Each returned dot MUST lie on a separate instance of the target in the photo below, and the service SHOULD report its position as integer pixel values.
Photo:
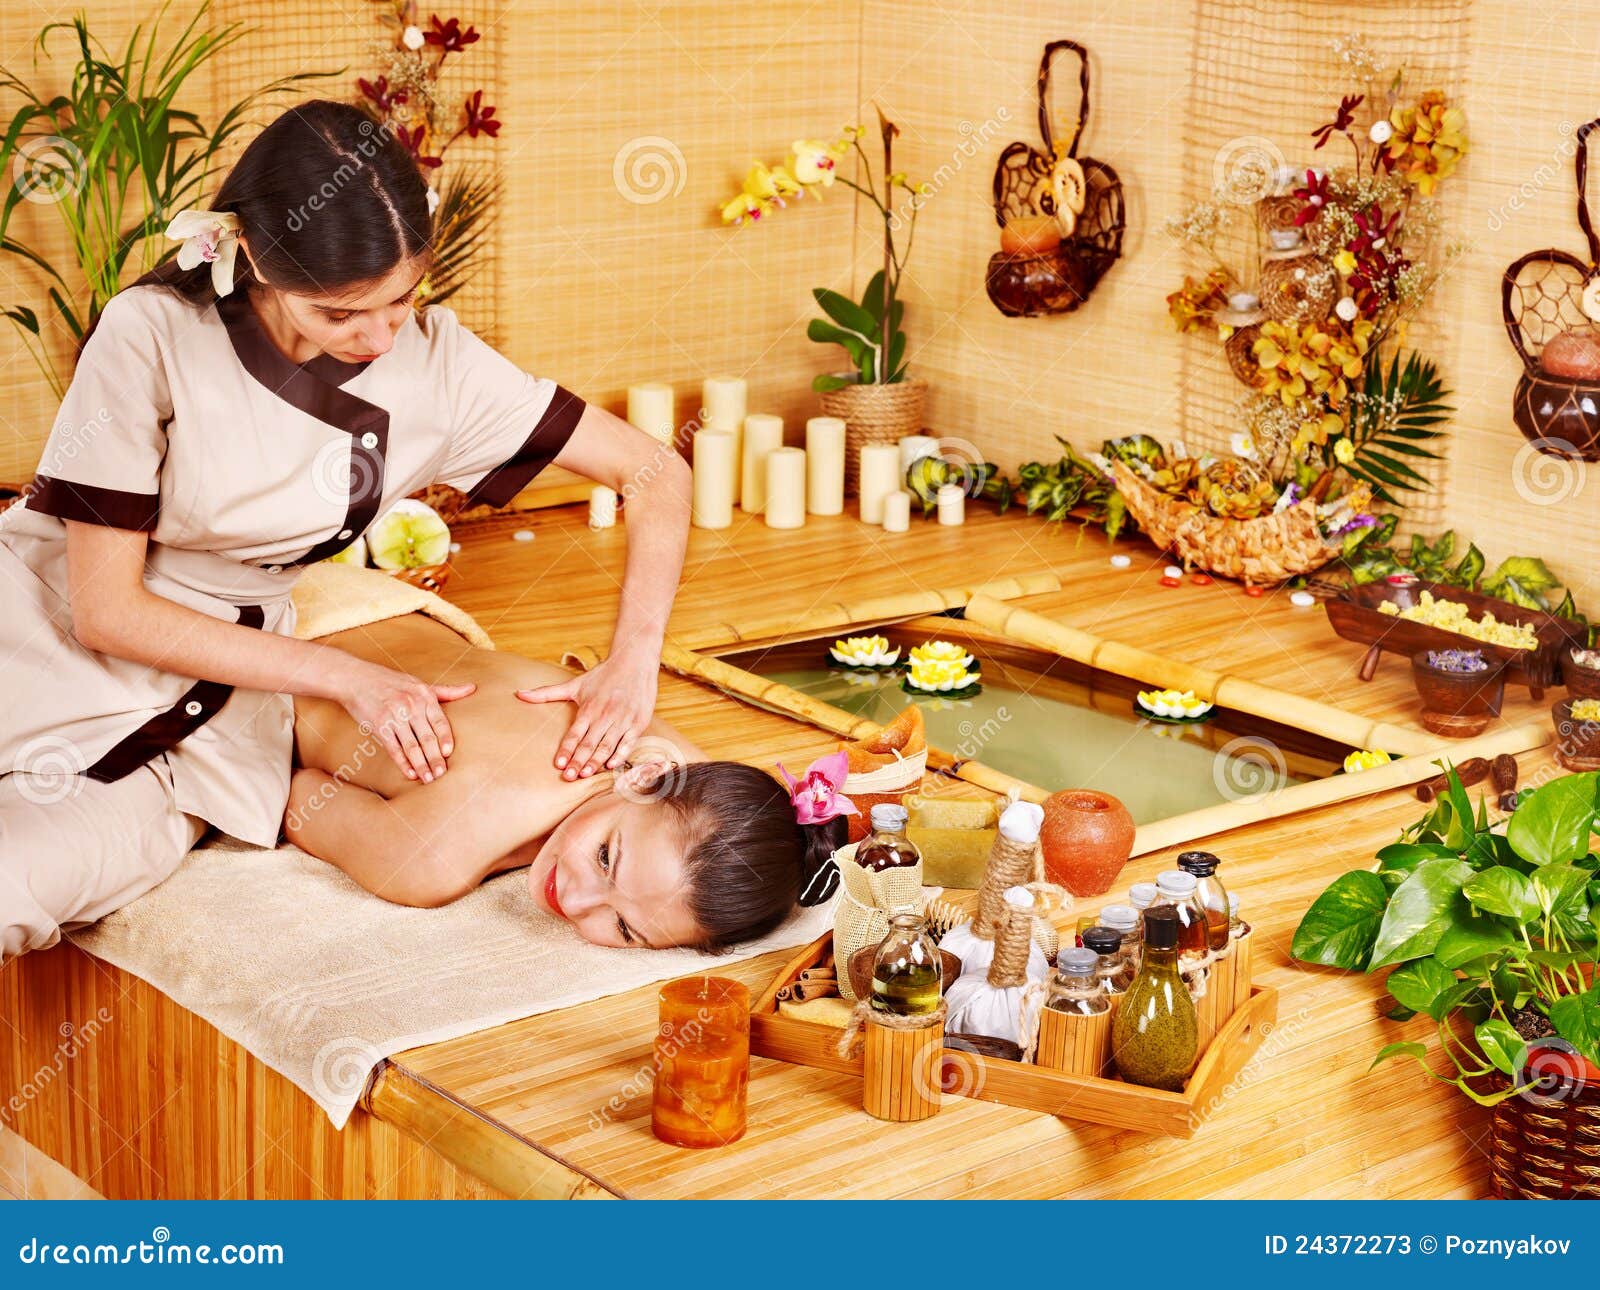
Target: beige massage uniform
(243, 467)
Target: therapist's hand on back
(407, 716)
(616, 699)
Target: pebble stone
(1121, 561)
(1172, 571)
(1302, 599)
(522, 535)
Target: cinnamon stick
(1472, 771)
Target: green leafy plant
(1494, 936)
(870, 332)
(980, 480)
(1074, 485)
(461, 228)
(1393, 419)
(115, 158)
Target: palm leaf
(1401, 409)
(461, 228)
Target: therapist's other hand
(616, 699)
(408, 717)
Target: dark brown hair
(748, 857)
(327, 198)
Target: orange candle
(702, 1062)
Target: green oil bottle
(906, 970)
(1155, 1035)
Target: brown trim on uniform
(166, 730)
(538, 450)
(91, 504)
(315, 388)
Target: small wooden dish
(967, 1073)
(1354, 615)
(1583, 682)
(1459, 705)
(1577, 742)
(861, 970)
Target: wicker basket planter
(874, 414)
(1263, 551)
(1548, 1147)
(1297, 286)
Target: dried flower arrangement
(1317, 324)
(406, 97)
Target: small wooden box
(1036, 1088)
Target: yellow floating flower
(864, 651)
(940, 674)
(940, 652)
(1365, 759)
(1344, 451)
(1173, 703)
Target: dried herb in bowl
(1458, 660)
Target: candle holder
(702, 1062)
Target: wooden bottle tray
(1035, 1088)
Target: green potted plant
(876, 398)
(1490, 933)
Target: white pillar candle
(880, 475)
(914, 446)
(825, 465)
(952, 503)
(602, 507)
(723, 400)
(786, 488)
(897, 511)
(650, 408)
(762, 433)
(714, 473)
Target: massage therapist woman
(242, 411)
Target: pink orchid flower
(816, 797)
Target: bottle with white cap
(887, 847)
(1179, 889)
(1125, 921)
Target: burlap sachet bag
(866, 899)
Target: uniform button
(192, 707)
(344, 534)
(274, 568)
(369, 440)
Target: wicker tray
(1354, 615)
(1035, 1088)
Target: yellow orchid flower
(741, 208)
(813, 162)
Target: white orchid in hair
(208, 237)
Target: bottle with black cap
(1112, 968)
(1155, 1036)
(1210, 893)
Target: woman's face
(614, 869)
(354, 324)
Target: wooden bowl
(1459, 704)
(861, 970)
(1582, 681)
(1577, 742)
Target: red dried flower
(480, 118)
(448, 35)
(412, 138)
(1315, 197)
(379, 93)
(1341, 120)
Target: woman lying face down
(673, 850)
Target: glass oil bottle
(1155, 1033)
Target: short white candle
(786, 488)
(762, 433)
(897, 511)
(952, 503)
(650, 408)
(880, 476)
(712, 503)
(825, 465)
(602, 507)
(723, 400)
(914, 446)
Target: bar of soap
(929, 812)
(832, 1011)
(952, 857)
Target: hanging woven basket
(1297, 286)
(1260, 552)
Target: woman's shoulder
(147, 306)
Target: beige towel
(321, 980)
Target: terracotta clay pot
(1087, 837)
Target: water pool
(1057, 724)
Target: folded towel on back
(321, 980)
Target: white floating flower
(864, 651)
(1173, 703)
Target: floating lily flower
(1173, 703)
(864, 651)
(1365, 759)
(940, 675)
(940, 652)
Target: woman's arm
(616, 698)
(114, 613)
